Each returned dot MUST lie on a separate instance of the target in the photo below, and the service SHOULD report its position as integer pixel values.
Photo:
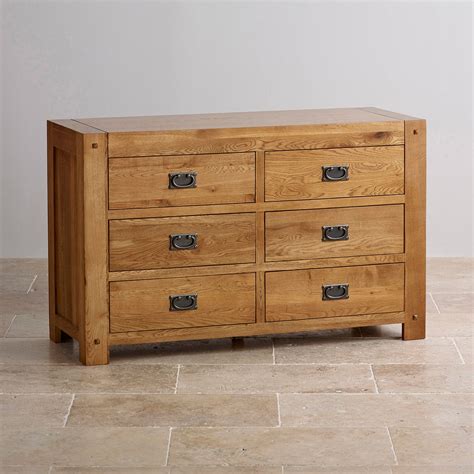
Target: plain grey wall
(82, 58)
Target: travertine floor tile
(172, 470)
(219, 351)
(375, 410)
(29, 325)
(370, 350)
(82, 379)
(15, 285)
(424, 378)
(305, 446)
(86, 446)
(440, 446)
(34, 410)
(23, 266)
(272, 379)
(174, 410)
(432, 469)
(37, 351)
(337, 470)
(5, 322)
(466, 348)
(32, 303)
(430, 304)
(110, 470)
(24, 469)
(446, 275)
(454, 303)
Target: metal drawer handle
(183, 302)
(335, 232)
(182, 180)
(336, 173)
(183, 241)
(339, 291)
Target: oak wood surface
(143, 182)
(144, 305)
(140, 244)
(297, 235)
(297, 294)
(296, 175)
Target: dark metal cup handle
(182, 180)
(336, 292)
(183, 302)
(183, 241)
(335, 232)
(336, 173)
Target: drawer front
(341, 232)
(182, 302)
(317, 174)
(308, 294)
(187, 180)
(167, 242)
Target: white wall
(79, 59)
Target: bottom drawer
(182, 302)
(328, 292)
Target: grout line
(50, 470)
(282, 470)
(66, 418)
(168, 448)
(373, 378)
(278, 407)
(434, 302)
(273, 351)
(392, 446)
(458, 351)
(177, 379)
(31, 284)
(9, 326)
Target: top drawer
(339, 172)
(185, 180)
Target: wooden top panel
(285, 118)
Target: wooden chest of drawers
(228, 225)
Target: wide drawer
(166, 242)
(329, 292)
(182, 302)
(317, 174)
(341, 232)
(185, 180)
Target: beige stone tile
(445, 275)
(111, 470)
(272, 379)
(25, 469)
(466, 348)
(172, 470)
(5, 322)
(29, 325)
(23, 266)
(82, 379)
(15, 285)
(337, 470)
(430, 304)
(217, 351)
(34, 410)
(454, 303)
(433, 446)
(28, 303)
(38, 351)
(365, 350)
(174, 410)
(375, 410)
(432, 469)
(302, 446)
(424, 378)
(86, 446)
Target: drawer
(317, 174)
(305, 294)
(182, 302)
(166, 242)
(185, 180)
(300, 235)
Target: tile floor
(342, 401)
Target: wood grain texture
(296, 175)
(143, 182)
(297, 235)
(145, 305)
(415, 233)
(295, 295)
(140, 244)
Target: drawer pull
(336, 292)
(336, 173)
(183, 241)
(182, 180)
(335, 232)
(183, 302)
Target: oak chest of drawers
(227, 225)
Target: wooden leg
(414, 328)
(57, 335)
(94, 352)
